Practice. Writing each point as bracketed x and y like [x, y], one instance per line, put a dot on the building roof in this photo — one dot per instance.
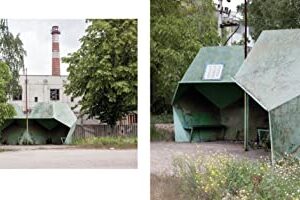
[271, 72]
[54, 110]
[231, 57]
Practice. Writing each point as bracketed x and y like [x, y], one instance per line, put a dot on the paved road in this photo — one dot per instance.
[49, 157]
[163, 153]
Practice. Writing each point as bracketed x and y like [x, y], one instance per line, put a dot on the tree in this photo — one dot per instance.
[6, 110]
[104, 70]
[178, 30]
[272, 14]
[12, 52]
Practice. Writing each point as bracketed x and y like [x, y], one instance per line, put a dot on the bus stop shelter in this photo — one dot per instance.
[49, 123]
[271, 76]
[208, 104]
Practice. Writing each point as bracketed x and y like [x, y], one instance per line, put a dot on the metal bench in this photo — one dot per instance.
[194, 127]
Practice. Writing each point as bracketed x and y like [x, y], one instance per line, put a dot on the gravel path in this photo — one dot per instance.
[49, 157]
[163, 153]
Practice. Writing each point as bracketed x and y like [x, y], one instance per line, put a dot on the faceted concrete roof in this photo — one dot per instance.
[271, 72]
[231, 57]
[53, 110]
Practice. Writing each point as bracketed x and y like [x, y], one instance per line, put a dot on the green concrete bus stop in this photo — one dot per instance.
[49, 123]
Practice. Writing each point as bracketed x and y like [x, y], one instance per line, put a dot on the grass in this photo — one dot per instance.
[165, 187]
[160, 135]
[117, 142]
[5, 150]
[225, 177]
[162, 119]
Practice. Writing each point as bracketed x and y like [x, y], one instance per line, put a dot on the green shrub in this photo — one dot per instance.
[222, 176]
[160, 135]
[162, 119]
[156, 135]
[107, 142]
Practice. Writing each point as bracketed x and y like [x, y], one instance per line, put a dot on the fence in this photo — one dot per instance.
[84, 131]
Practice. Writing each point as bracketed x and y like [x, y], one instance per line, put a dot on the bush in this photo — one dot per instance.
[160, 135]
[107, 142]
[162, 119]
[225, 177]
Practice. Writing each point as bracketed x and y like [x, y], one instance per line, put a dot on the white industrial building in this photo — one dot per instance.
[43, 88]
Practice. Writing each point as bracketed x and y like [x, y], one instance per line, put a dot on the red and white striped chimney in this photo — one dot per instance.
[55, 51]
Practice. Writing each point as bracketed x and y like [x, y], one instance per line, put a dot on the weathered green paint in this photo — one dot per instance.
[198, 103]
[181, 135]
[221, 95]
[48, 123]
[286, 129]
[246, 121]
[69, 138]
[270, 75]
[230, 56]
[195, 110]
[271, 71]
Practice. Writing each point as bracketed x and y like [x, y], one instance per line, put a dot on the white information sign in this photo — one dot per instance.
[213, 72]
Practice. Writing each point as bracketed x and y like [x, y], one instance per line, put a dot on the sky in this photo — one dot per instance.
[37, 41]
[232, 4]
[36, 37]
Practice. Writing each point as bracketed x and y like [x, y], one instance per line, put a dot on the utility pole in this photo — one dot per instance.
[246, 97]
[220, 17]
[246, 24]
[222, 23]
[26, 101]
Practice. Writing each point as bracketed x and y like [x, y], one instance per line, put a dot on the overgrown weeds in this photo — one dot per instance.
[162, 119]
[165, 187]
[225, 177]
[160, 135]
[118, 142]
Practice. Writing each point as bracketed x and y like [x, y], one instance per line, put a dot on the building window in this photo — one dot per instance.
[18, 97]
[36, 99]
[72, 99]
[54, 94]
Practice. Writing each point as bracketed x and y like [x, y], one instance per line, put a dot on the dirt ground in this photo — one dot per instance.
[64, 157]
[163, 153]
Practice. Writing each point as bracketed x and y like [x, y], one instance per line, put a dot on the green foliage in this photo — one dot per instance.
[156, 135]
[104, 70]
[12, 52]
[6, 110]
[159, 134]
[272, 14]
[178, 30]
[162, 119]
[225, 177]
[119, 142]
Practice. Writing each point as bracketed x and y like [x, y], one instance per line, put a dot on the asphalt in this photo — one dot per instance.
[66, 157]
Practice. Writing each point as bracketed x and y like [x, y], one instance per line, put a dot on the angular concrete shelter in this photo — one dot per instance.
[271, 76]
[49, 123]
[208, 104]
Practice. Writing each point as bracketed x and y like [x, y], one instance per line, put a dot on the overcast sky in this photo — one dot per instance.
[36, 37]
[232, 5]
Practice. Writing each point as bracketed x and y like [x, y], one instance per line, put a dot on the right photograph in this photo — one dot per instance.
[225, 99]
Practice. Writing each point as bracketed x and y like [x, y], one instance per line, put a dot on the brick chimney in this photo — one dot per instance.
[55, 51]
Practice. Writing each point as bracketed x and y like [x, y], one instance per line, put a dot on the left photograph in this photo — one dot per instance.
[68, 94]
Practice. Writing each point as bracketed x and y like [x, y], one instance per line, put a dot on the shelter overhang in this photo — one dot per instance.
[271, 72]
